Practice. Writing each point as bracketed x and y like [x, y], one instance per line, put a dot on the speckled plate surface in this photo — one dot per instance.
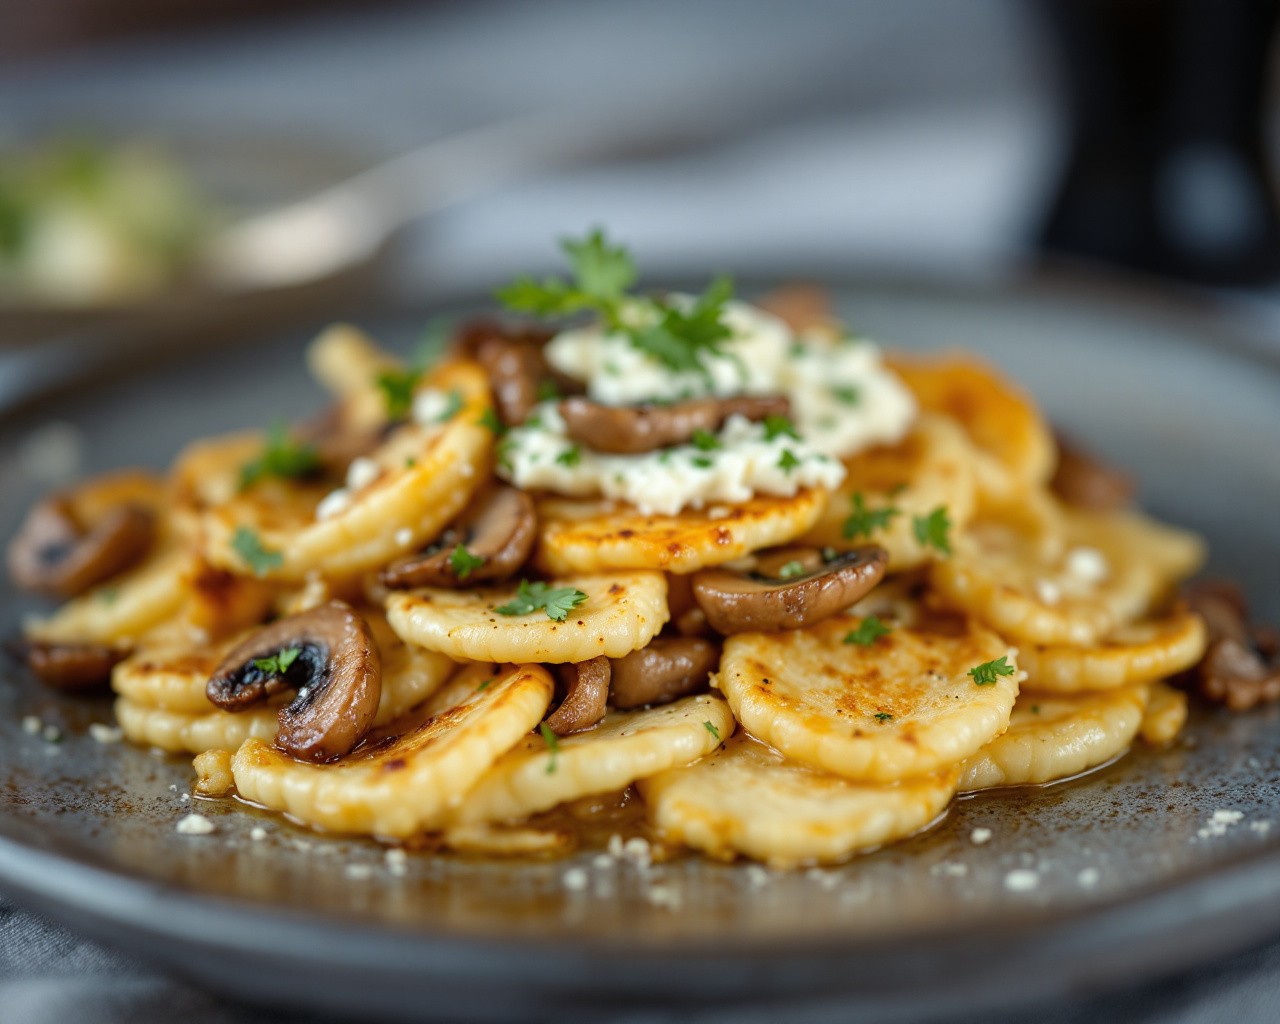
[1132, 874]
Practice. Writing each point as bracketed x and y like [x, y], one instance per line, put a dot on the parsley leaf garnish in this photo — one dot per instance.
[553, 744]
[985, 674]
[702, 461]
[260, 560]
[485, 684]
[570, 456]
[463, 562]
[282, 457]
[397, 387]
[793, 568]
[556, 601]
[681, 338]
[489, 418]
[452, 406]
[863, 521]
[711, 728]
[933, 530]
[705, 441]
[883, 716]
[847, 396]
[779, 426]
[868, 631]
[787, 461]
[278, 664]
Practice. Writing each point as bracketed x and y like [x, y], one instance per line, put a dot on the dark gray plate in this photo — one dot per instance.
[1132, 876]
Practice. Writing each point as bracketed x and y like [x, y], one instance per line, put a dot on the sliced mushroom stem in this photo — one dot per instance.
[329, 656]
[514, 361]
[52, 553]
[584, 705]
[630, 430]
[70, 667]
[1083, 480]
[667, 669]
[497, 529]
[749, 602]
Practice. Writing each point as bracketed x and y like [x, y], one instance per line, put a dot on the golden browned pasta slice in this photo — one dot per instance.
[622, 612]
[348, 363]
[408, 783]
[747, 799]
[600, 536]
[1110, 569]
[931, 467]
[903, 705]
[207, 472]
[1137, 653]
[163, 702]
[625, 746]
[1052, 738]
[1002, 421]
[1165, 716]
[418, 480]
[125, 607]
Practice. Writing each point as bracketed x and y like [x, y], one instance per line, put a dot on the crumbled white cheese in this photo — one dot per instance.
[950, 869]
[185, 798]
[105, 734]
[31, 725]
[1260, 827]
[429, 405]
[194, 825]
[575, 880]
[1219, 822]
[842, 400]
[663, 896]
[361, 472]
[333, 504]
[638, 851]
[403, 537]
[358, 872]
[1088, 565]
[1088, 877]
[397, 861]
[1021, 880]
[257, 833]
[757, 876]
[979, 836]
[615, 846]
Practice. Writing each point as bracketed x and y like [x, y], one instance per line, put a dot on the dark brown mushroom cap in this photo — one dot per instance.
[337, 673]
[1241, 664]
[1083, 480]
[630, 430]
[52, 553]
[513, 359]
[669, 668]
[742, 602]
[70, 667]
[499, 527]
[584, 704]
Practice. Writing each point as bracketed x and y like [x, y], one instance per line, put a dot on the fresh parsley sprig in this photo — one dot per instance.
[863, 521]
[867, 632]
[530, 597]
[934, 530]
[463, 562]
[553, 745]
[277, 664]
[986, 673]
[397, 387]
[281, 457]
[260, 560]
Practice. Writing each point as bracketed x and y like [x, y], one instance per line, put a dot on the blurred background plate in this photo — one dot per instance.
[1133, 878]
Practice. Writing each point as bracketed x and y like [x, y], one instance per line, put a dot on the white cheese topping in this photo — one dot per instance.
[842, 400]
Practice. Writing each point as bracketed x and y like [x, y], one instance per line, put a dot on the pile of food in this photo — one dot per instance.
[724, 562]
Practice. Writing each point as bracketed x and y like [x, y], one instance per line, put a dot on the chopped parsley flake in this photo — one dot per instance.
[863, 521]
[463, 562]
[278, 664]
[397, 387]
[779, 426]
[867, 632]
[489, 418]
[484, 685]
[553, 744]
[248, 546]
[570, 456]
[847, 395]
[933, 530]
[711, 728]
[883, 716]
[548, 390]
[702, 461]
[556, 601]
[985, 674]
[706, 441]
[787, 461]
[1035, 709]
[792, 569]
[281, 457]
[452, 406]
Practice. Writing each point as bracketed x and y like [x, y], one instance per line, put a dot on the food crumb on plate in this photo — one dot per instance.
[575, 880]
[194, 825]
[31, 725]
[358, 872]
[105, 734]
[979, 836]
[257, 833]
[1088, 877]
[1021, 880]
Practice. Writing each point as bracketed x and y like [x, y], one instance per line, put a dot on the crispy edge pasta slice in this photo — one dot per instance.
[931, 467]
[408, 783]
[602, 536]
[622, 613]
[747, 799]
[902, 706]
[1057, 737]
[1137, 653]
[1166, 715]
[1002, 421]
[347, 362]
[427, 474]
[409, 676]
[624, 747]
[1033, 591]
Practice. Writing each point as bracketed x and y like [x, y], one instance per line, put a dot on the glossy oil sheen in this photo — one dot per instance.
[1130, 875]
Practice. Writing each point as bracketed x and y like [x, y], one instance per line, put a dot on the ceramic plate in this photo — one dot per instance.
[1132, 875]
